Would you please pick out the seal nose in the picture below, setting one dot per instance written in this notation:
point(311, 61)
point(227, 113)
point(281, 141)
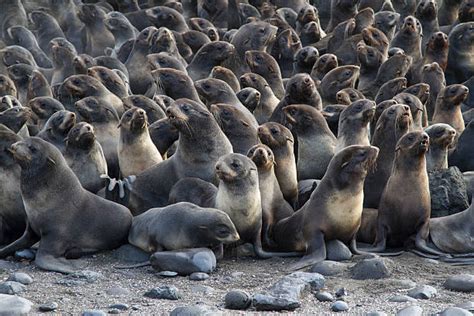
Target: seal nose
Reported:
point(259, 129)
point(406, 108)
point(452, 132)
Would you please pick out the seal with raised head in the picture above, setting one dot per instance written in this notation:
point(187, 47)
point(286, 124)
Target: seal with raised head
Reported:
point(460, 60)
point(448, 106)
point(201, 143)
point(334, 210)
point(85, 157)
point(354, 124)
point(44, 107)
point(210, 55)
point(337, 79)
point(90, 224)
point(136, 151)
point(265, 65)
point(57, 127)
point(441, 137)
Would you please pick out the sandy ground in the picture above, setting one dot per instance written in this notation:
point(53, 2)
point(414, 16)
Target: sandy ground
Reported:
point(248, 274)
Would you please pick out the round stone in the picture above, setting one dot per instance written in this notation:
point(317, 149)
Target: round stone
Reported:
point(324, 296)
point(339, 306)
point(48, 307)
point(167, 274)
point(237, 299)
point(20, 277)
point(198, 276)
point(461, 283)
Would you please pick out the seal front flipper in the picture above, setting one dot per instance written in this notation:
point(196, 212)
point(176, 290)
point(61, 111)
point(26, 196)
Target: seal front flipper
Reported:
point(118, 190)
point(420, 241)
point(28, 239)
point(316, 252)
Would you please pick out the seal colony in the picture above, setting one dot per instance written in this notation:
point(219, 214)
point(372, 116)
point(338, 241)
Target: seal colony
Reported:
point(282, 124)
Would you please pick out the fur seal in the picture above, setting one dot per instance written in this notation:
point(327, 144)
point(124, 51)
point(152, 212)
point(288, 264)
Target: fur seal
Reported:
point(175, 84)
point(241, 132)
point(201, 143)
point(136, 151)
point(62, 55)
point(163, 134)
point(57, 128)
point(7, 102)
point(82, 63)
point(408, 38)
point(463, 154)
point(274, 206)
point(153, 111)
point(268, 100)
point(323, 65)
point(194, 190)
point(7, 86)
point(337, 79)
point(433, 75)
point(311, 128)
point(110, 79)
point(354, 124)
point(348, 95)
point(286, 44)
point(441, 137)
point(46, 27)
point(21, 36)
point(16, 117)
point(224, 74)
point(341, 10)
point(387, 21)
point(427, 13)
point(448, 106)
point(250, 98)
point(179, 226)
point(208, 56)
point(305, 59)
point(266, 66)
point(195, 39)
point(85, 157)
point(460, 62)
point(45, 173)
point(394, 122)
point(38, 86)
point(161, 16)
point(416, 107)
point(280, 140)
point(370, 60)
point(121, 28)
point(43, 108)
point(334, 210)
point(448, 11)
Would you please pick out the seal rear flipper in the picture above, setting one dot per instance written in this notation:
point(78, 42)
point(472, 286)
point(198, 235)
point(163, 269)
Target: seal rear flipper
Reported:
point(28, 239)
point(118, 190)
point(49, 262)
point(316, 252)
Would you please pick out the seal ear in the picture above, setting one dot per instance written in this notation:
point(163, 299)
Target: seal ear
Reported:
point(51, 160)
point(244, 123)
point(203, 227)
point(290, 140)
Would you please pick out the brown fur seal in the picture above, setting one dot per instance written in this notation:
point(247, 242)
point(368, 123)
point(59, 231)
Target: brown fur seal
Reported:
point(63, 53)
point(201, 143)
point(463, 155)
point(311, 128)
point(7, 86)
point(44, 107)
point(460, 61)
point(16, 117)
point(286, 44)
point(348, 95)
point(161, 16)
point(179, 226)
point(334, 210)
point(250, 98)
point(416, 107)
point(405, 205)
point(305, 59)
point(370, 60)
point(354, 124)
point(224, 74)
point(266, 66)
point(241, 132)
point(441, 137)
point(110, 79)
point(210, 55)
point(46, 28)
point(85, 157)
point(341, 10)
point(280, 140)
point(57, 127)
point(38, 86)
point(394, 122)
point(433, 75)
point(387, 21)
point(274, 206)
point(164, 135)
point(332, 113)
point(194, 190)
point(323, 65)
point(427, 13)
point(175, 84)
point(136, 151)
point(94, 223)
point(154, 112)
point(268, 100)
point(337, 79)
point(448, 106)
point(448, 11)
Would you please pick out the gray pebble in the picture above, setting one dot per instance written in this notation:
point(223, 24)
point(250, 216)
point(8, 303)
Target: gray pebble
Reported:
point(424, 292)
point(120, 306)
point(375, 314)
point(339, 306)
point(263, 302)
point(197, 310)
point(455, 311)
point(324, 297)
point(237, 299)
point(20, 277)
point(11, 287)
point(198, 276)
point(48, 307)
point(431, 261)
point(337, 251)
point(14, 305)
point(168, 274)
point(93, 312)
point(402, 299)
point(25, 254)
point(375, 268)
point(461, 282)
point(413, 310)
point(328, 268)
point(166, 292)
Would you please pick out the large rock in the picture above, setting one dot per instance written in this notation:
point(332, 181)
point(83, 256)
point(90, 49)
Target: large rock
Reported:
point(185, 261)
point(238, 300)
point(328, 267)
point(375, 268)
point(455, 311)
point(263, 302)
point(11, 305)
point(448, 192)
point(130, 253)
point(164, 292)
point(423, 292)
point(11, 287)
point(337, 251)
point(20, 277)
point(413, 310)
point(461, 283)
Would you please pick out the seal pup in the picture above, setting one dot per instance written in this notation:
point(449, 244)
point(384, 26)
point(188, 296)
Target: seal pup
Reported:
point(387, 22)
point(448, 11)
point(354, 124)
point(448, 106)
point(110, 79)
point(416, 107)
point(175, 84)
point(268, 100)
point(274, 206)
point(43, 108)
point(337, 79)
point(224, 74)
point(194, 190)
point(12, 211)
point(311, 128)
point(21, 36)
point(57, 128)
point(85, 157)
point(334, 210)
point(7, 102)
point(241, 133)
point(441, 138)
point(16, 117)
point(93, 18)
point(250, 98)
point(201, 143)
point(180, 226)
point(90, 223)
point(38, 86)
point(7, 86)
point(154, 112)
point(348, 95)
point(136, 151)
point(266, 66)
point(164, 135)
point(305, 59)
point(121, 29)
point(280, 140)
point(433, 75)
point(341, 10)
point(210, 55)
point(427, 13)
point(394, 122)
point(46, 28)
point(63, 53)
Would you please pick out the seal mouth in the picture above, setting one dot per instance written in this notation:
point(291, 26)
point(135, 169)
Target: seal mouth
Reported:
point(19, 152)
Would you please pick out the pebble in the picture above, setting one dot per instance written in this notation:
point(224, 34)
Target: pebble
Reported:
point(25, 254)
point(202, 289)
point(185, 261)
point(328, 268)
point(461, 283)
point(93, 312)
point(413, 310)
point(14, 305)
point(375, 268)
point(337, 251)
point(8, 265)
point(166, 292)
point(20, 277)
point(120, 306)
point(198, 276)
point(168, 274)
point(431, 261)
point(117, 291)
point(48, 307)
point(11, 287)
point(341, 292)
point(424, 292)
point(455, 311)
point(237, 299)
point(402, 299)
point(324, 297)
point(339, 306)
point(264, 302)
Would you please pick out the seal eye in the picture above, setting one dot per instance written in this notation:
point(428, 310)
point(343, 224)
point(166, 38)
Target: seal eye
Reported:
point(235, 165)
point(273, 130)
point(262, 30)
point(185, 108)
